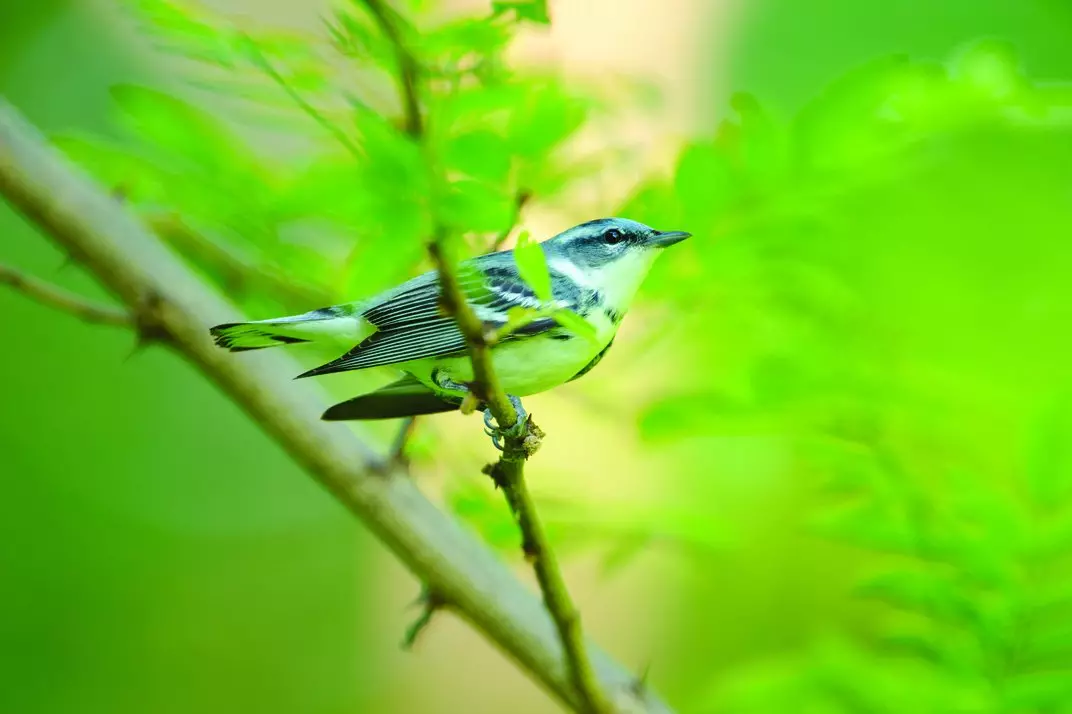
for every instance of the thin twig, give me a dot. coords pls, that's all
(397, 454)
(133, 264)
(519, 204)
(387, 19)
(312, 112)
(62, 300)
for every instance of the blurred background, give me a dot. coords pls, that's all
(826, 468)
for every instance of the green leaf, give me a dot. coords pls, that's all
(447, 48)
(119, 168)
(575, 324)
(478, 206)
(516, 318)
(526, 10)
(184, 31)
(480, 154)
(183, 130)
(532, 265)
(545, 117)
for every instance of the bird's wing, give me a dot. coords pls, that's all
(410, 326)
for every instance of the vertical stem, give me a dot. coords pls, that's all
(509, 474)
(509, 471)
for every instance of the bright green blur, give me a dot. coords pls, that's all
(826, 468)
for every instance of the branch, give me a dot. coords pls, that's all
(258, 58)
(139, 270)
(509, 475)
(387, 19)
(62, 300)
(519, 204)
(509, 471)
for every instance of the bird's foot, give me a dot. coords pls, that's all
(497, 433)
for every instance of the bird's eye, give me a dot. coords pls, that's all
(612, 236)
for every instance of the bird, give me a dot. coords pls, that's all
(595, 270)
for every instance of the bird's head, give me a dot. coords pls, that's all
(610, 255)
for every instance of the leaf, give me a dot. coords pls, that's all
(545, 117)
(481, 154)
(516, 318)
(925, 593)
(357, 36)
(532, 265)
(478, 206)
(575, 324)
(455, 48)
(182, 30)
(183, 130)
(529, 10)
(118, 167)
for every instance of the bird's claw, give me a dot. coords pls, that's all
(497, 433)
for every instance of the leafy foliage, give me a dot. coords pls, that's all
(875, 305)
(307, 162)
(290, 169)
(868, 280)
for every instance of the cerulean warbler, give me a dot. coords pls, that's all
(595, 270)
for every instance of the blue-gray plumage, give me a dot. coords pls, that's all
(595, 270)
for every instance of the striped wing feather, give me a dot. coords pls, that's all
(410, 326)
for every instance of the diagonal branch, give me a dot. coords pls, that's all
(62, 300)
(140, 270)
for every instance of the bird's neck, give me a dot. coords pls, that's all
(616, 282)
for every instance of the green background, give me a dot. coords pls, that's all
(847, 398)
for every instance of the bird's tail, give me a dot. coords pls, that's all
(404, 398)
(338, 323)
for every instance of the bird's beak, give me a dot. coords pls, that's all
(661, 239)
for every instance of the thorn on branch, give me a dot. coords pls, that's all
(147, 321)
(639, 686)
(495, 473)
(430, 603)
(397, 455)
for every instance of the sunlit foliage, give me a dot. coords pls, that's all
(876, 306)
(885, 293)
